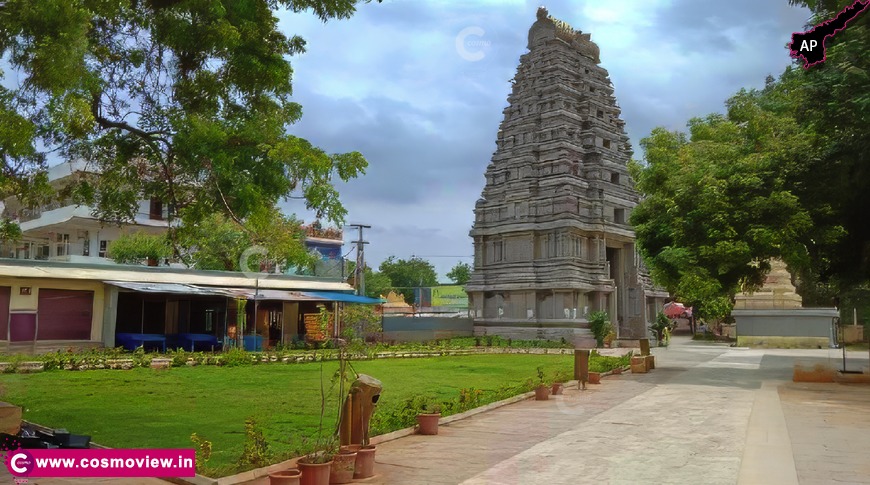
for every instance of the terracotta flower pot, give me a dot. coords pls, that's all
(595, 378)
(542, 393)
(365, 462)
(285, 477)
(342, 467)
(617, 370)
(314, 473)
(557, 388)
(428, 423)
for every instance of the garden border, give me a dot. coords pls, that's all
(257, 358)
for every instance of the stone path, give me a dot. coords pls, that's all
(707, 414)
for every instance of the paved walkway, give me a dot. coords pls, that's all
(708, 414)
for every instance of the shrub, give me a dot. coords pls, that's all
(235, 357)
(203, 452)
(256, 452)
(599, 325)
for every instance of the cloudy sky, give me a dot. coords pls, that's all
(391, 83)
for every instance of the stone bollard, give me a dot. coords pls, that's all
(644, 346)
(638, 365)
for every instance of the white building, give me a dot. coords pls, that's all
(63, 231)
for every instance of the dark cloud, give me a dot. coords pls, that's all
(390, 84)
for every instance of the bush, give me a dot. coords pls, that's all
(256, 452)
(235, 357)
(599, 325)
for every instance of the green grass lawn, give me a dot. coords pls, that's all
(145, 408)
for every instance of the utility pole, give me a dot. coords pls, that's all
(359, 271)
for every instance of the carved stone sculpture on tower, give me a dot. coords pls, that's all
(551, 239)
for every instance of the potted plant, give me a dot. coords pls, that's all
(364, 467)
(662, 328)
(429, 416)
(316, 467)
(352, 460)
(542, 392)
(343, 464)
(599, 325)
(557, 388)
(595, 378)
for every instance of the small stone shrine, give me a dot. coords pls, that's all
(774, 317)
(551, 237)
(777, 293)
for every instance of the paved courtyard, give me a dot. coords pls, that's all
(708, 414)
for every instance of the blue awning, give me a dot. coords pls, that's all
(345, 297)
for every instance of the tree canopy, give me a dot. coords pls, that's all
(461, 273)
(187, 101)
(405, 275)
(781, 175)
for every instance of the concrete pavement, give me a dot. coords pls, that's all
(707, 414)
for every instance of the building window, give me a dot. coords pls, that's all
(619, 216)
(43, 252)
(86, 247)
(600, 114)
(103, 248)
(606, 143)
(156, 212)
(62, 244)
(497, 251)
(614, 178)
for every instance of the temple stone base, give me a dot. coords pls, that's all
(795, 328)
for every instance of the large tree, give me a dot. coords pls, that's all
(831, 102)
(461, 273)
(405, 275)
(187, 101)
(781, 175)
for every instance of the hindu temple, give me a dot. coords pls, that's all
(551, 236)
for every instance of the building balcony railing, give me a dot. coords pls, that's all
(323, 268)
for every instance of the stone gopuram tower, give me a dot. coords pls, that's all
(551, 240)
